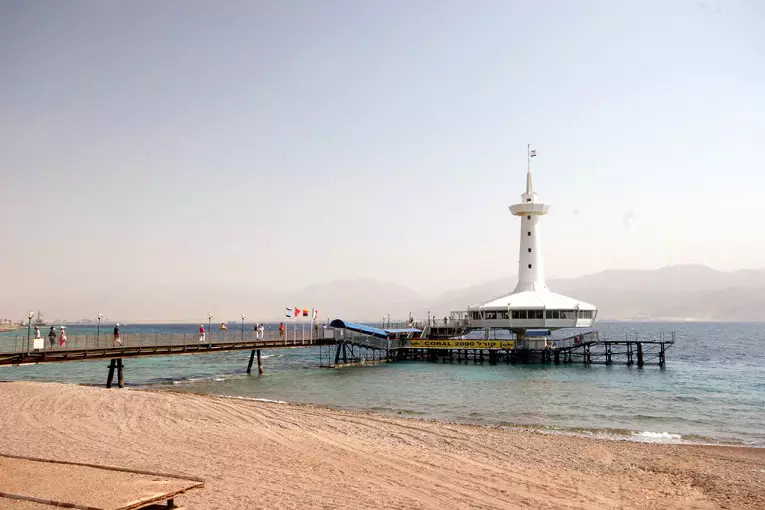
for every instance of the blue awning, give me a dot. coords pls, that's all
(369, 330)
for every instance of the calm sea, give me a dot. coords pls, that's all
(712, 389)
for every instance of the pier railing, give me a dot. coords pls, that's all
(576, 340)
(92, 341)
(370, 342)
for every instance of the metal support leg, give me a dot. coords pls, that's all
(110, 377)
(120, 374)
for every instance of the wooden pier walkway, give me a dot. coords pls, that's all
(141, 346)
(148, 348)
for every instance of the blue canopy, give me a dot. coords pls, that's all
(369, 330)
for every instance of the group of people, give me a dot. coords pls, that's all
(52, 336)
(258, 328)
(38, 343)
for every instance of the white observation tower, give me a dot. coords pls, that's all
(531, 306)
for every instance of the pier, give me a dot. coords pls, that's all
(346, 344)
(89, 348)
(357, 344)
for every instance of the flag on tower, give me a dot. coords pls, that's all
(314, 313)
(289, 312)
(532, 153)
(297, 312)
(305, 312)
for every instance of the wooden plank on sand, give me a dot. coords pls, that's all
(32, 481)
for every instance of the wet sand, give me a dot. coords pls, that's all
(270, 455)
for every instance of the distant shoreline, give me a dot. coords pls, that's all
(669, 320)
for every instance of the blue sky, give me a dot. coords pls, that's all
(283, 143)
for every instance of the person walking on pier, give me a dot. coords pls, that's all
(52, 337)
(62, 337)
(261, 331)
(117, 340)
(201, 333)
(38, 342)
(281, 330)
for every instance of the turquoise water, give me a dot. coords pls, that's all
(712, 389)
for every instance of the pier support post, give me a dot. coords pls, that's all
(120, 374)
(661, 356)
(556, 354)
(260, 364)
(492, 357)
(640, 354)
(110, 377)
(252, 358)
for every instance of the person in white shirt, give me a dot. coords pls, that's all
(38, 342)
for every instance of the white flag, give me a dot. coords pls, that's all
(289, 312)
(532, 153)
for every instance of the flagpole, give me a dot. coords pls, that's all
(528, 158)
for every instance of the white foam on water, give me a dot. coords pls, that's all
(251, 399)
(193, 380)
(660, 436)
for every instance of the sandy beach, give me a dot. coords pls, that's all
(270, 455)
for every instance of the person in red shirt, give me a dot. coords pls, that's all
(281, 330)
(201, 333)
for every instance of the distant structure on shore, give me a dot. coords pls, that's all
(531, 306)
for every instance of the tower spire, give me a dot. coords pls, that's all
(531, 275)
(529, 154)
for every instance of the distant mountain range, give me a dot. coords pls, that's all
(687, 292)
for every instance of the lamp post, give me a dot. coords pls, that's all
(242, 327)
(98, 330)
(209, 324)
(29, 328)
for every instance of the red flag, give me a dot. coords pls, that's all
(305, 312)
(297, 312)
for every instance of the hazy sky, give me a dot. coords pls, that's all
(277, 144)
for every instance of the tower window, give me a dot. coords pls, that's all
(529, 233)
(529, 250)
(529, 266)
(528, 217)
(528, 200)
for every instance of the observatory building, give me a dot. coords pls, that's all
(532, 305)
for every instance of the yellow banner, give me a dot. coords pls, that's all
(461, 344)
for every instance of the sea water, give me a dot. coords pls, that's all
(712, 389)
